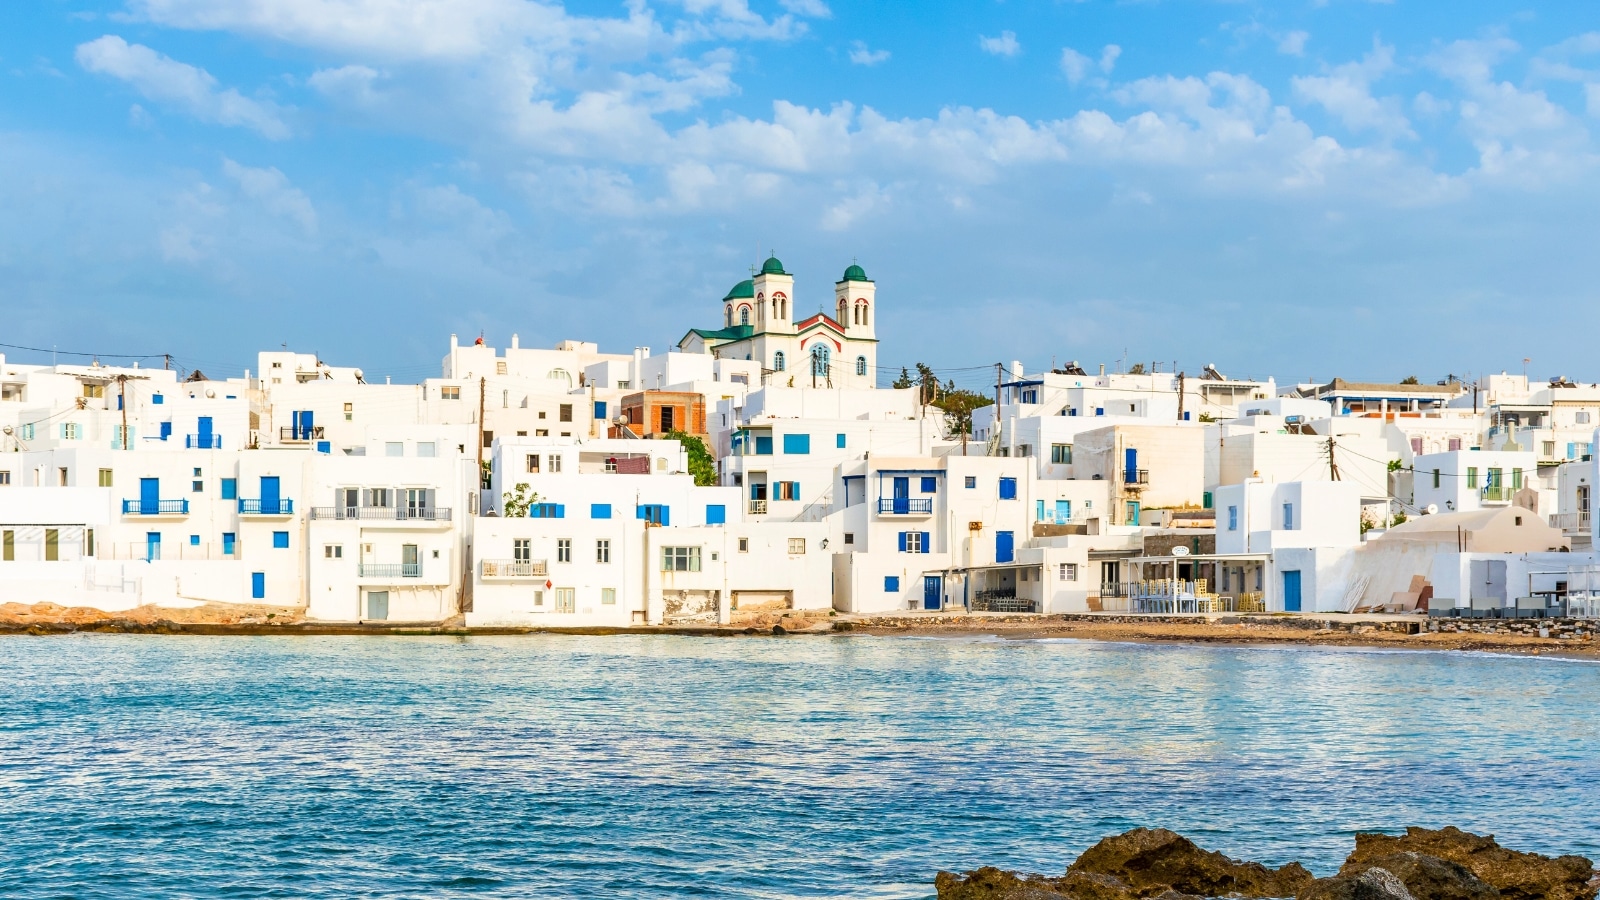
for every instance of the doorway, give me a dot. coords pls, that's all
(932, 592)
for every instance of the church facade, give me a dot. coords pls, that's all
(817, 351)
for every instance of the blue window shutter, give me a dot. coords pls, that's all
(157, 399)
(166, 430)
(764, 445)
(716, 514)
(930, 484)
(561, 510)
(194, 540)
(228, 538)
(258, 585)
(1008, 489)
(600, 410)
(641, 512)
(903, 541)
(1038, 510)
(891, 584)
(230, 488)
(599, 510)
(838, 441)
(1004, 547)
(119, 402)
(797, 443)
(666, 514)
(925, 544)
(280, 540)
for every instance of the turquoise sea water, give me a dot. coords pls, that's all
(661, 767)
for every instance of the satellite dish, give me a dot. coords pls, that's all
(211, 395)
(1180, 551)
(619, 420)
(1432, 510)
(8, 429)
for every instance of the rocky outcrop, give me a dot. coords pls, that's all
(1152, 860)
(1516, 876)
(1156, 864)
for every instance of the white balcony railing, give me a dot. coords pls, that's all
(515, 568)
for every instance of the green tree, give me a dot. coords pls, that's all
(1410, 379)
(701, 465)
(514, 504)
(904, 381)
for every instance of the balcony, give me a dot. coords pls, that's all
(266, 507)
(389, 570)
(758, 507)
(1571, 522)
(905, 506)
(1496, 493)
(155, 507)
(1136, 477)
(202, 441)
(293, 434)
(515, 568)
(425, 515)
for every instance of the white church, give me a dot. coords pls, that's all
(817, 351)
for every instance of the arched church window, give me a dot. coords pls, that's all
(727, 318)
(819, 360)
(861, 311)
(744, 315)
(777, 361)
(844, 310)
(861, 365)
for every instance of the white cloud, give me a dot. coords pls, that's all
(179, 85)
(271, 188)
(816, 9)
(861, 56)
(1346, 92)
(1294, 43)
(1591, 93)
(1004, 45)
(1076, 66)
(862, 202)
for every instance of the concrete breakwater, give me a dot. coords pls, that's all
(1422, 864)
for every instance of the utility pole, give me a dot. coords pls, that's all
(482, 386)
(166, 362)
(1180, 395)
(122, 404)
(998, 368)
(1333, 467)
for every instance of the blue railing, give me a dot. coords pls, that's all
(203, 441)
(389, 570)
(905, 506)
(155, 507)
(266, 507)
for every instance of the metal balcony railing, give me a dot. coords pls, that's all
(155, 507)
(383, 513)
(1496, 493)
(293, 433)
(203, 441)
(905, 506)
(515, 568)
(758, 507)
(1136, 476)
(389, 570)
(266, 507)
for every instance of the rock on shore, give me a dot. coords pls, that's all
(1157, 864)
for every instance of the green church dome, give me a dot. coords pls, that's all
(855, 273)
(744, 290)
(773, 266)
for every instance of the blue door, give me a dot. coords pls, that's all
(902, 495)
(258, 585)
(152, 545)
(1291, 590)
(932, 592)
(269, 495)
(1004, 547)
(205, 433)
(149, 496)
(229, 541)
(1130, 466)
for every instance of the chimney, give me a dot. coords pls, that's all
(514, 344)
(453, 342)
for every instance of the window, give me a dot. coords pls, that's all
(1288, 517)
(194, 540)
(105, 477)
(1516, 479)
(280, 540)
(70, 431)
(602, 551)
(96, 391)
(427, 448)
(555, 464)
(599, 510)
(744, 315)
(716, 514)
(566, 412)
(61, 476)
(891, 584)
(450, 392)
(394, 448)
(849, 538)
(25, 432)
(564, 550)
(229, 540)
(861, 365)
(971, 481)
(666, 418)
(488, 438)
(1436, 478)
(533, 462)
(1233, 518)
(5, 478)
(349, 411)
(541, 414)
(547, 511)
(600, 410)
(333, 551)
(787, 490)
(1061, 454)
(797, 443)
(1581, 418)
(914, 542)
(653, 513)
(197, 487)
(1472, 477)
(1069, 571)
(1008, 489)
(680, 559)
(744, 545)
(521, 550)
(930, 484)
(777, 361)
(608, 596)
(797, 546)
(838, 441)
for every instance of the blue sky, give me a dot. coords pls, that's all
(1306, 189)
